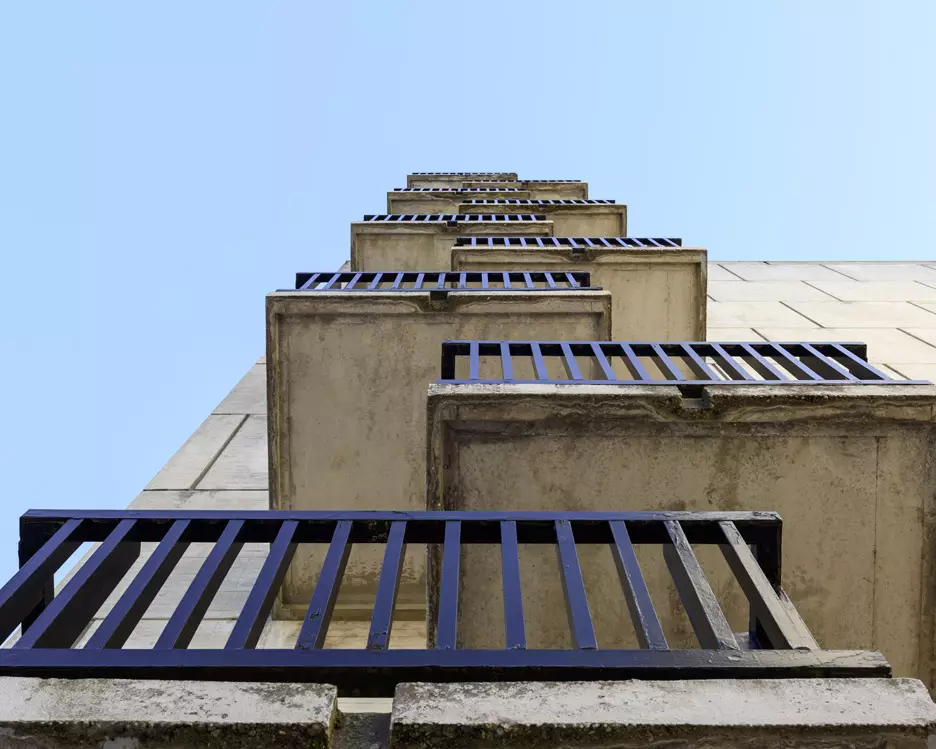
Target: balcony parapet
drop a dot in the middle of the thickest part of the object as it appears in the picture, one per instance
(571, 217)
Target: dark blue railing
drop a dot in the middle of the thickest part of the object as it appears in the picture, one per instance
(454, 217)
(546, 202)
(573, 242)
(445, 281)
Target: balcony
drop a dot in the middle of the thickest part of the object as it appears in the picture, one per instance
(349, 359)
(444, 199)
(571, 218)
(540, 189)
(406, 242)
(454, 179)
(810, 430)
(657, 286)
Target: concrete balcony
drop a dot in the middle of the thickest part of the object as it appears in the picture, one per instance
(347, 376)
(571, 218)
(454, 179)
(844, 454)
(444, 199)
(405, 242)
(658, 287)
(540, 189)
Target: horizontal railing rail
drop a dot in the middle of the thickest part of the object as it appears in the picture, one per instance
(688, 365)
(582, 243)
(445, 281)
(458, 190)
(545, 201)
(507, 175)
(453, 218)
(54, 621)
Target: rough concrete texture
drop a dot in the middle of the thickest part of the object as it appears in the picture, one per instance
(417, 245)
(542, 189)
(347, 395)
(125, 714)
(655, 295)
(827, 713)
(442, 201)
(850, 469)
(569, 219)
(455, 180)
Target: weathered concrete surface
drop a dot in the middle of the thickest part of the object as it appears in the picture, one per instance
(187, 467)
(442, 201)
(569, 219)
(348, 374)
(454, 179)
(541, 189)
(419, 245)
(850, 469)
(124, 714)
(655, 294)
(827, 713)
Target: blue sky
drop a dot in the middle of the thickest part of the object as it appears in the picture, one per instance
(164, 165)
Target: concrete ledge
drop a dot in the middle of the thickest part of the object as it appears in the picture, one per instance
(125, 714)
(712, 713)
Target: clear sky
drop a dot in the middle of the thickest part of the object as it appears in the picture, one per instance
(165, 164)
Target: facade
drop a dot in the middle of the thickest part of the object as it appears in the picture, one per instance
(628, 423)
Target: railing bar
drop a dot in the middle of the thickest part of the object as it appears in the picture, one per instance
(318, 617)
(354, 280)
(506, 361)
(706, 616)
(830, 362)
(603, 362)
(396, 282)
(484, 281)
(310, 282)
(568, 359)
(550, 281)
(26, 589)
(703, 369)
(506, 279)
(67, 615)
(803, 372)
(728, 363)
(474, 360)
(440, 284)
(528, 280)
(784, 632)
(418, 284)
(447, 630)
(259, 604)
(762, 365)
(376, 282)
(387, 587)
(634, 362)
(331, 282)
(861, 363)
(670, 370)
(123, 618)
(647, 625)
(184, 621)
(538, 363)
(573, 588)
(573, 284)
(514, 629)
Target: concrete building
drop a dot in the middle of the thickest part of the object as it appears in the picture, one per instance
(344, 412)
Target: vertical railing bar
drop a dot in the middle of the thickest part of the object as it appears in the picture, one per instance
(647, 625)
(188, 614)
(354, 280)
(318, 616)
(550, 281)
(123, 618)
(418, 284)
(705, 614)
(728, 364)
(670, 370)
(634, 362)
(447, 629)
(603, 362)
(310, 283)
(440, 284)
(762, 365)
(861, 364)
(568, 359)
(506, 280)
(387, 587)
(830, 362)
(67, 615)
(259, 604)
(396, 282)
(803, 372)
(539, 364)
(484, 280)
(332, 281)
(528, 280)
(376, 282)
(506, 362)
(573, 587)
(573, 284)
(514, 629)
(704, 371)
(474, 360)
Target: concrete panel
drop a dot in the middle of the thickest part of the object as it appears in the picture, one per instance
(876, 291)
(542, 189)
(248, 395)
(739, 335)
(885, 271)
(783, 271)
(416, 245)
(348, 379)
(198, 453)
(850, 469)
(455, 179)
(709, 714)
(242, 464)
(766, 291)
(200, 500)
(884, 344)
(108, 713)
(569, 219)
(442, 201)
(655, 295)
(755, 314)
(718, 272)
(866, 314)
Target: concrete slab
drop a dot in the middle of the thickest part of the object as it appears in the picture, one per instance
(885, 271)
(782, 271)
(884, 344)
(541, 189)
(198, 453)
(863, 314)
(243, 462)
(915, 371)
(108, 713)
(718, 272)
(765, 291)
(454, 179)
(928, 335)
(757, 714)
(248, 395)
(201, 500)
(875, 291)
(443, 201)
(753, 315)
(740, 335)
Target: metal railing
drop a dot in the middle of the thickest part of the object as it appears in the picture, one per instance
(545, 201)
(432, 281)
(459, 190)
(453, 218)
(583, 243)
(532, 181)
(463, 174)
(686, 365)
(54, 621)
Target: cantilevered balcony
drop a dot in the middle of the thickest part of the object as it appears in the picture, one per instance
(453, 179)
(571, 218)
(444, 199)
(540, 189)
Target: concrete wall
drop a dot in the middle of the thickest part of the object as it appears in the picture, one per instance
(348, 374)
(570, 220)
(542, 190)
(440, 202)
(402, 245)
(656, 295)
(850, 469)
(454, 180)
